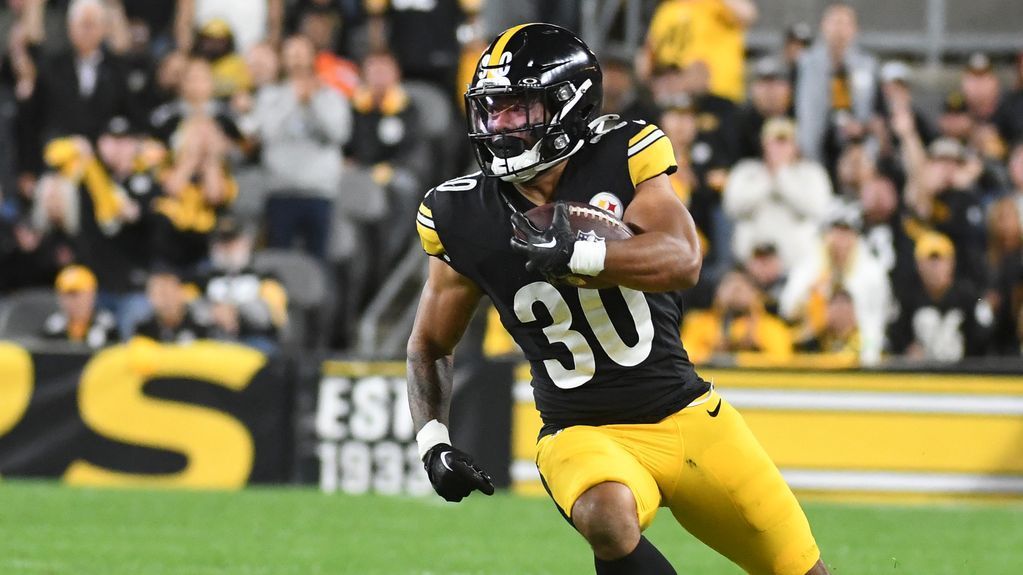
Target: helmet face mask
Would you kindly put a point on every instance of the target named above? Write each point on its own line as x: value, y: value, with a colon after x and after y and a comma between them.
x: 507, y: 121
x: 531, y: 109
x: 510, y: 127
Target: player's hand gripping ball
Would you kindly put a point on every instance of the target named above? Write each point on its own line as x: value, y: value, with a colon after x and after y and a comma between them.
x: 547, y: 234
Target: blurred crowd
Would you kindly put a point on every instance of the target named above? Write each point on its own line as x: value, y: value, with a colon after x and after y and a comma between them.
x: 192, y: 164
x: 839, y: 215
x: 156, y: 151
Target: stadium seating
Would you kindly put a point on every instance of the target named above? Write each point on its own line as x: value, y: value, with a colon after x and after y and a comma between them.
x: 437, y: 123
x: 23, y: 313
x: 309, y: 301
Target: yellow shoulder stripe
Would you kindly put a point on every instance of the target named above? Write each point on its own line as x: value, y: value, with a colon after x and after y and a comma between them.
x: 430, y: 239
x: 654, y: 159
x: 642, y: 134
x: 425, y: 210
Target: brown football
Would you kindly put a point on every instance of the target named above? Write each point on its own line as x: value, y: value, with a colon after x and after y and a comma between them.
x: 589, y: 223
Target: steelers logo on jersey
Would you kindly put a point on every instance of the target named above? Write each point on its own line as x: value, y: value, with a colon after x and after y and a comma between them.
x: 609, y: 202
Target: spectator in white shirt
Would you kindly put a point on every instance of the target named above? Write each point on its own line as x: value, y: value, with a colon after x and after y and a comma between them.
x: 844, y: 263
x: 778, y: 199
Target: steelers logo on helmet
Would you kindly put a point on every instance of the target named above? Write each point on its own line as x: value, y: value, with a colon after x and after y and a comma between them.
x: 530, y: 105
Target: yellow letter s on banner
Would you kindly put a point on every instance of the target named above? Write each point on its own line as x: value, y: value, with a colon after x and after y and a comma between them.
x: 218, y: 448
x: 16, y: 383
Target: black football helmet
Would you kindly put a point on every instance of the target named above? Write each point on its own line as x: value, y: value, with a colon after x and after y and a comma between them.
x: 536, y: 90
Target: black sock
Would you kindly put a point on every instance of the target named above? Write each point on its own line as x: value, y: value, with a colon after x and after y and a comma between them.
x: 645, y: 559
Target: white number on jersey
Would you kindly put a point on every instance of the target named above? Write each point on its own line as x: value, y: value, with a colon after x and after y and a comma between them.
x: 463, y: 184
x: 595, y: 314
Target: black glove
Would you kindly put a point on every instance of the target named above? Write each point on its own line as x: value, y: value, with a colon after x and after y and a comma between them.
x: 453, y: 475
x: 550, y: 250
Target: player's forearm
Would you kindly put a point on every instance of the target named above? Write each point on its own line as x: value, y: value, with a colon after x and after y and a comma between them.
x: 429, y: 386
x: 653, y: 262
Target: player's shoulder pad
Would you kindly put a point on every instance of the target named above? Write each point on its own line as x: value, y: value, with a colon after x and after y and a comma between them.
x: 649, y: 151
x: 607, y: 124
x: 426, y: 221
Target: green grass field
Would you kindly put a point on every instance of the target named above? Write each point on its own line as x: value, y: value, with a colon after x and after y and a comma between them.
x: 50, y: 529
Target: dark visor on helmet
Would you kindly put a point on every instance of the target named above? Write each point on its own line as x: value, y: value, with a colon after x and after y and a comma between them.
x: 508, y: 120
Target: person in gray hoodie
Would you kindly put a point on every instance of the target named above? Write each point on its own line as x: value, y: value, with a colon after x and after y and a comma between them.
x: 836, y: 88
x: 302, y: 126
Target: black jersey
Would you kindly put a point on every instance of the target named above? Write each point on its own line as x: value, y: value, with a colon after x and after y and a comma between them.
x: 948, y: 329
x: 597, y: 356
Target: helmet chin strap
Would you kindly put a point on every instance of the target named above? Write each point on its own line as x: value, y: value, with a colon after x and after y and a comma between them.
x: 517, y: 169
x: 528, y: 160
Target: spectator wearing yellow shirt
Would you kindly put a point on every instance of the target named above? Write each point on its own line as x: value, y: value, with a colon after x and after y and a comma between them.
x: 710, y: 31
x: 840, y: 338
x: 736, y: 323
x: 844, y: 262
x: 112, y: 187
x: 197, y: 186
x: 215, y: 44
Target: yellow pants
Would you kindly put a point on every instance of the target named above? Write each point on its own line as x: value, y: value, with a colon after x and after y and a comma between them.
x: 705, y: 465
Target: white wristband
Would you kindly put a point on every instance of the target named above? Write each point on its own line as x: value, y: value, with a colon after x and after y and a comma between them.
x: 433, y: 433
x: 588, y: 258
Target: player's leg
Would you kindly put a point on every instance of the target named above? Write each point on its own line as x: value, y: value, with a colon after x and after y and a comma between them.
x: 607, y: 495
x: 819, y: 569
x: 607, y: 518
x: 731, y: 496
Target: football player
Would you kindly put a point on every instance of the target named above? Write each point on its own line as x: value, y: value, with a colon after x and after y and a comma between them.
x: 628, y: 424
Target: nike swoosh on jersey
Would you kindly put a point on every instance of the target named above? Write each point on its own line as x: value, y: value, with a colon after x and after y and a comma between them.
x: 549, y: 244
x: 714, y: 412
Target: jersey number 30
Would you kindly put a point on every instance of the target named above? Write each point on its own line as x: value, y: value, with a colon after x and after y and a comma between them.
x: 595, y: 313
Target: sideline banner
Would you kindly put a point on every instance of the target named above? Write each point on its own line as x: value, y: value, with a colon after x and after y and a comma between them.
x: 858, y: 433
x: 360, y: 434
x: 204, y: 415
x: 364, y: 438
